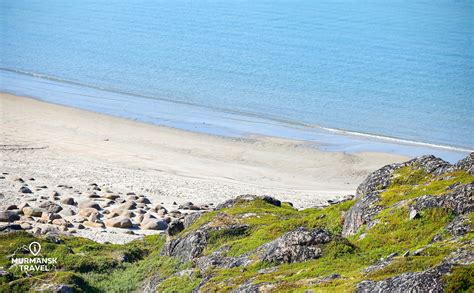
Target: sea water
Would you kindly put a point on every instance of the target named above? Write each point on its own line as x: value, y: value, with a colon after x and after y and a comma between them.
x: 347, y: 75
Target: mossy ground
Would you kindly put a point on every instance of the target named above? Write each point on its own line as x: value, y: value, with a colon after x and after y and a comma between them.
x: 94, y: 267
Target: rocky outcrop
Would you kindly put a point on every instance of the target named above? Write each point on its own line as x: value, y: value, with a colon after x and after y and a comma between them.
x: 295, y: 246
x: 187, y: 248
x: 427, y: 281
x: 364, y: 211
x: 466, y: 164
x: 460, y: 200
x: 459, y: 226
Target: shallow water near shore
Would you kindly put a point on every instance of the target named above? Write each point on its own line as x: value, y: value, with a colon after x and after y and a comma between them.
x: 211, y: 121
x: 341, y: 75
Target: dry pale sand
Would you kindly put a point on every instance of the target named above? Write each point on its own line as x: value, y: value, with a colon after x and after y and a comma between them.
x: 61, y: 145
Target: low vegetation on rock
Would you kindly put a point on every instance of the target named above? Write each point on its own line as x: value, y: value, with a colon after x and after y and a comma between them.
x: 409, y: 227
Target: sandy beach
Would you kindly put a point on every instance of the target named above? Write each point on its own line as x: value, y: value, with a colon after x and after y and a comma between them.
x: 60, y: 145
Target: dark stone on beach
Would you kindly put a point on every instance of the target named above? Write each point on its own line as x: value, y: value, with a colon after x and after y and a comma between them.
x: 68, y: 201
x: 6, y: 228
x: 154, y: 224
x: 118, y: 222
x: 25, y: 189
x: 143, y: 200
x: 50, y: 207
x: 9, y: 216
x: 89, y: 204
x: 32, y: 211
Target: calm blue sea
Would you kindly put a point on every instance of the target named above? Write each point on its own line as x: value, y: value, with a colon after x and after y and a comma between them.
x: 398, y: 69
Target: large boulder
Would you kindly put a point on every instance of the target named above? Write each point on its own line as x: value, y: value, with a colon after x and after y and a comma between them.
x: 118, y: 222
x: 296, y: 246
x: 154, y: 224
x: 32, y: 211
x: 89, y: 204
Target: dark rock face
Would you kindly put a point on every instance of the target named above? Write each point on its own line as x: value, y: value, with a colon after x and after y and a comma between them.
x: 361, y: 213
x: 189, y: 247
x: 368, y: 191
x: 460, y: 200
x: 272, y: 200
x: 190, y: 219
x: 295, y: 246
x: 175, y: 227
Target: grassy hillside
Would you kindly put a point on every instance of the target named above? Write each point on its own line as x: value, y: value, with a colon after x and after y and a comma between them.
x: 411, y: 245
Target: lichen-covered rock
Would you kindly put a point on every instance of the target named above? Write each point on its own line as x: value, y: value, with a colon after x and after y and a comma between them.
x: 189, y: 247
x: 364, y: 211
x: 427, y: 281
x: 466, y: 164
x: 191, y: 218
x: 460, y: 200
x: 217, y: 259
x: 295, y: 246
x: 459, y: 226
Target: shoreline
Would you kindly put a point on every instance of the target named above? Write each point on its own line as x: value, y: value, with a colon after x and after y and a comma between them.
x: 186, y: 166
x: 213, y: 121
